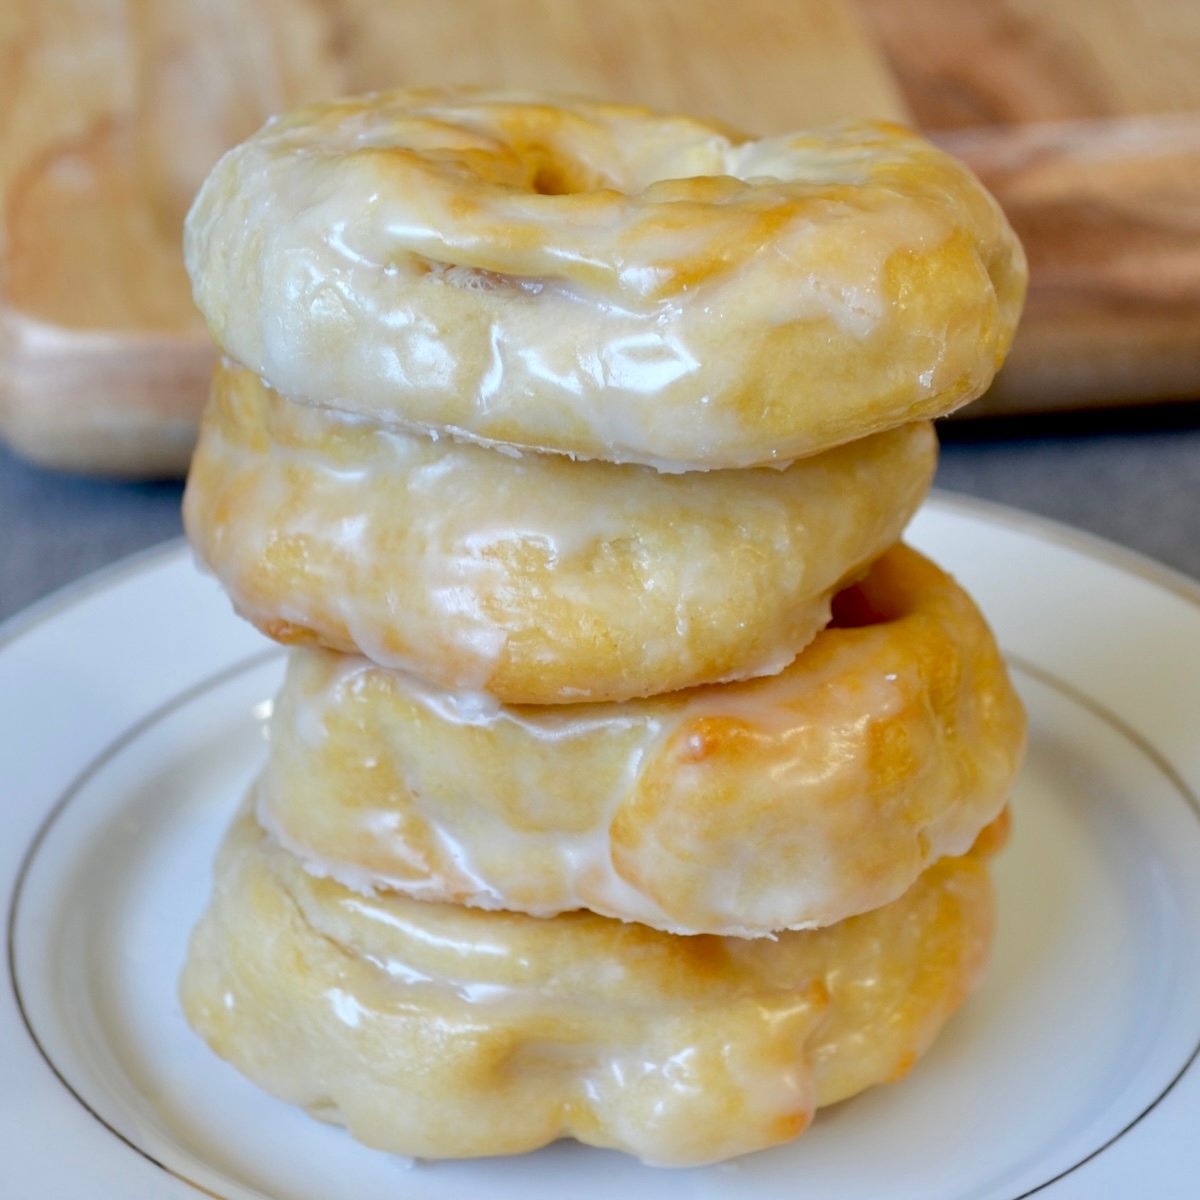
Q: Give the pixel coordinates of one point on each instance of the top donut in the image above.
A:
(601, 280)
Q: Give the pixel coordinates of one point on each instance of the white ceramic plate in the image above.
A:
(130, 722)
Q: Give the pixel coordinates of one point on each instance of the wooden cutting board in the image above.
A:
(972, 63)
(1083, 118)
(111, 111)
(767, 66)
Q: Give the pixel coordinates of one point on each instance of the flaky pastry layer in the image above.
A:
(603, 280)
(535, 579)
(740, 809)
(438, 1031)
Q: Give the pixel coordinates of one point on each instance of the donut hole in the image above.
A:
(552, 179)
(853, 608)
(894, 589)
(555, 174)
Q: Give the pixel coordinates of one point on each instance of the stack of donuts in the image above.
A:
(630, 781)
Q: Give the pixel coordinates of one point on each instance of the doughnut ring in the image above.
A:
(788, 802)
(438, 1031)
(601, 280)
(535, 579)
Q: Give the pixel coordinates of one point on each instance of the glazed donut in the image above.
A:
(603, 280)
(438, 1031)
(739, 809)
(535, 579)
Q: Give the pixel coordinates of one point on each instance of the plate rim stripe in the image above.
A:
(251, 662)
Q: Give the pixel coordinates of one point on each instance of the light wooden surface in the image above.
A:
(766, 67)
(1109, 213)
(1083, 117)
(112, 111)
(995, 62)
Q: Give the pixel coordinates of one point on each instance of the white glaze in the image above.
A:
(785, 802)
(394, 257)
(533, 578)
(430, 1029)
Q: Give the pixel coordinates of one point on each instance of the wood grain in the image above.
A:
(992, 62)
(111, 112)
(767, 67)
(1109, 213)
(1083, 117)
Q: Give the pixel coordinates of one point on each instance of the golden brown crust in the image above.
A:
(439, 1031)
(535, 579)
(604, 281)
(737, 808)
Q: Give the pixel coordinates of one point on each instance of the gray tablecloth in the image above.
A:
(1137, 486)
